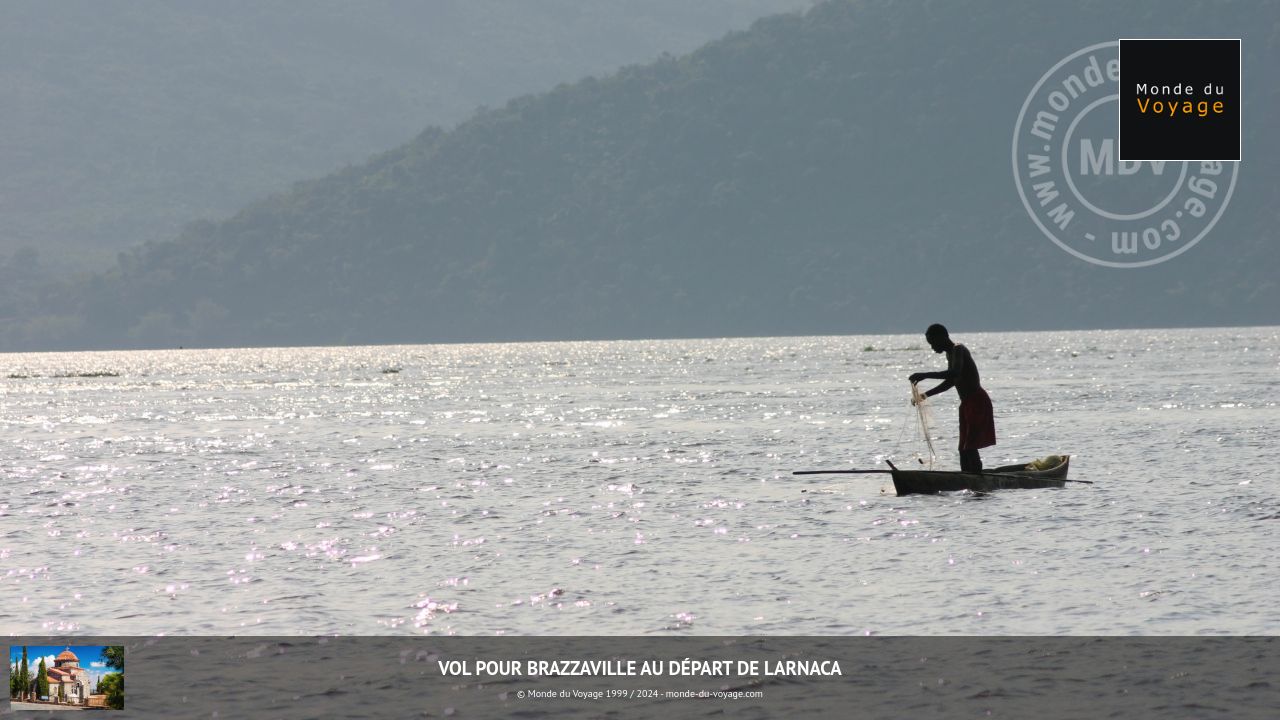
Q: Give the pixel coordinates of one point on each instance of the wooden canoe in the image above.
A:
(1008, 477)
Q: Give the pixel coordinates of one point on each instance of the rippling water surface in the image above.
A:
(635, 488)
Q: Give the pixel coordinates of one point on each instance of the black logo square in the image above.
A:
(1179, 100)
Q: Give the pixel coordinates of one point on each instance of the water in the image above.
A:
(636, 488)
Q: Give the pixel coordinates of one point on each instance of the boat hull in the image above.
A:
(1009, 477)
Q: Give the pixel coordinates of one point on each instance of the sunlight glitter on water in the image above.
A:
(311, 491)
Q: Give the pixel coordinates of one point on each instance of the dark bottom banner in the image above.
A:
(639, 677)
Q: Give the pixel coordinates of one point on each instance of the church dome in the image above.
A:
(67, 655)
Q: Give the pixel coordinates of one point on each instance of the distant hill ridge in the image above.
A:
(845, 170)
(125, 121)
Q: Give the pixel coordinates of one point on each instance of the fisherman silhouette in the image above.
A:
(977, 421)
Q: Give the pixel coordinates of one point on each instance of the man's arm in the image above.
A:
(944, 386)
(955, 362)
(917, 377)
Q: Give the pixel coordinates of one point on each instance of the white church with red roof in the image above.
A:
(67, 675)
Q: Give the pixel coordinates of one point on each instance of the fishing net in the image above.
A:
(924, 420)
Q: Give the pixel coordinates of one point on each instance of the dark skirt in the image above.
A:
(977, 421)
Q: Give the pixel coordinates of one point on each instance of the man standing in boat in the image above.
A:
(977, 421)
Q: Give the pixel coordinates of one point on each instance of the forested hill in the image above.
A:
(123, 121)
(846, 170)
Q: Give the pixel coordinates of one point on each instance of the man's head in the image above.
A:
(938, 338)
